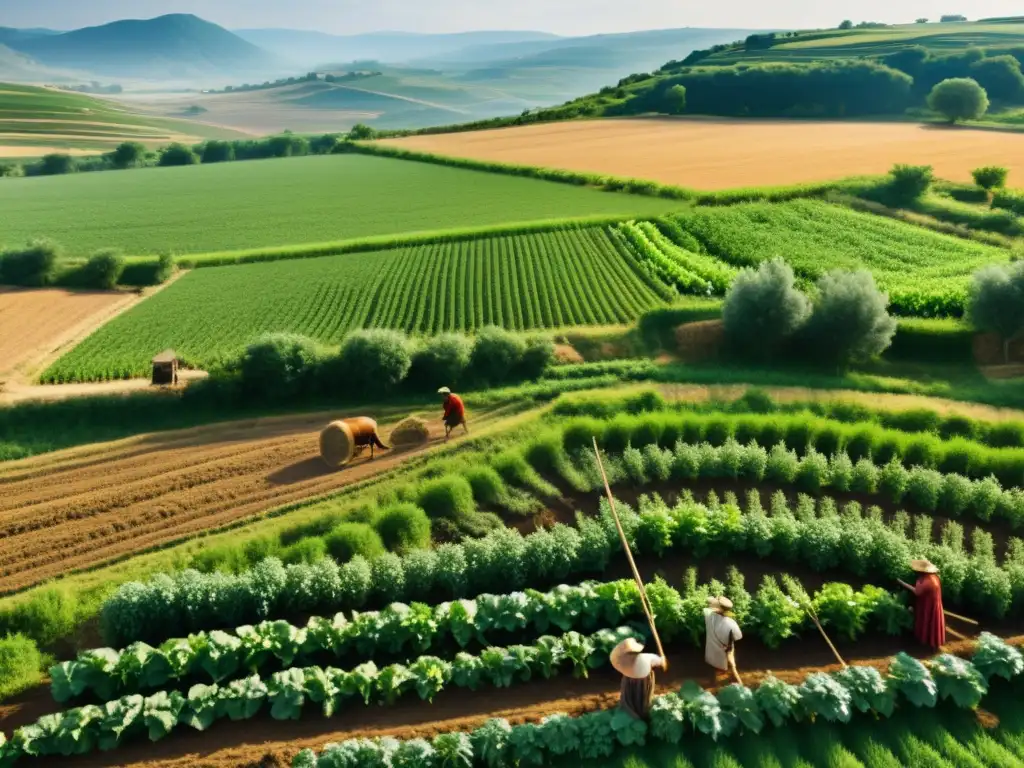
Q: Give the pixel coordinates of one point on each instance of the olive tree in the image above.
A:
(996, 302)
(763, 309)
(850, 321)
(959, 98)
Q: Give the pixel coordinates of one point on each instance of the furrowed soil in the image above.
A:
(264, 741)
(86, 506)
(35, 322)
(711, 154)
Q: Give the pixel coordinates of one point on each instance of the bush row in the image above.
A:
(771, 615)
(82, 730)
(800, 432)
(171, 604)
(40, 263)
(284, 367)
(679, 716)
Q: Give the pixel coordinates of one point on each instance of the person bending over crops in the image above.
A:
(637, 669)
(929, 619)
(454, 412)
(722, 634)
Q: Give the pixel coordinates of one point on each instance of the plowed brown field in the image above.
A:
(86, 506)
(710, 154)
(34, 322)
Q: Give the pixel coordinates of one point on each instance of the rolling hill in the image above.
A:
(167, 47)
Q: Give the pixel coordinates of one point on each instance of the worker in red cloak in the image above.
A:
(929, 620)
(454, 412)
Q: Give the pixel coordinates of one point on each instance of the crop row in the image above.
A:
(170, 604)
(772, 615)
(734, 710)
(546, 280)
(81, 730)
(925, 273)
(798, 432)
(689, 270)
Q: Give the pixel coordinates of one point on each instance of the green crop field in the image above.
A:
(278, 202)
(926, 273)
(548, 280)
(848, 44)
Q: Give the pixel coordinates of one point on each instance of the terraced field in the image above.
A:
(549, 280)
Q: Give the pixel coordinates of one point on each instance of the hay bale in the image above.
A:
(337, 444)
(410, 431)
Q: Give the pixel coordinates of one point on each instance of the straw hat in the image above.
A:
(444, 391)
(720, 603)
(623, 656)
(923, 566)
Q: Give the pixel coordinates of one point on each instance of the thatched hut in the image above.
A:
(165, 368)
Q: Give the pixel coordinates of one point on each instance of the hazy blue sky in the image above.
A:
(560, 16)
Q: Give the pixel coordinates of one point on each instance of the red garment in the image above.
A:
(453, 407)
(929, 621)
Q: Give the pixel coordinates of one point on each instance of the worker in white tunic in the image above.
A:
(723, 632)
(637, 691)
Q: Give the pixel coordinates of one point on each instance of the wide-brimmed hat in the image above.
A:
(444, 391)
(623, 655)
(923, 566)
(720, 603)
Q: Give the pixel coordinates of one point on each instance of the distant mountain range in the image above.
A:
(168, 47)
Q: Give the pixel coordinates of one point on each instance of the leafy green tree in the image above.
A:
(361, 132)
(215, 151)
(996, 302)
(128, 154)
(373, 361)
(990, 177)
(959, 98)
(847, 24)
(763, 309)
(34, 264)
(850, 321)
(104, 269)
(56, 164)
(909, 183)
(675, 100)
(440, 361)
(278, 366)
(177, 154)
(1000, 76)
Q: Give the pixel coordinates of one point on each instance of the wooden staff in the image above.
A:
(956, 634)
(644, 602)
(732, 667)
(814, 617)
(960, 618)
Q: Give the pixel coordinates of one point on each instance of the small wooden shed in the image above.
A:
(165, 368)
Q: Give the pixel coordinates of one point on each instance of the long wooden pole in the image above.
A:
(629, 555)
(960, 618)
(814, 618)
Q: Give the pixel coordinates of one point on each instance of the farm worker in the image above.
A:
(929, 619)
(454, 412)
(722, 634)
(637, 670)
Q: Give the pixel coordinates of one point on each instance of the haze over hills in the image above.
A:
(167, 47)
(307, 48)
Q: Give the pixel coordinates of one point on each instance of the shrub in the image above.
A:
(440, 361)
(361, 132)
(908, 183)
(996, 302)
(33, 265)
(310, 551)
(675, 100)
(215, 151)
(990, 177)
(959, 98)
(1009, 200)
(404, 527)
(449, 497)
(763, 309)
(850, 321)
(177, 154)
(57, 164)
(104, 269)
(374, 361)
(278, 366)
(496, 354)
(1000, 76)
(351, 539)
(537, 356)
(20, 663)
(128, 154)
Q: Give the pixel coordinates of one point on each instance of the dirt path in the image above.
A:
(86, 506)
(717, 153)
(230, 745)
(16, 393)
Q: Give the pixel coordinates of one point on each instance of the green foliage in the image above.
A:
(20, 664)
(350, 539)
(909, 183)
(373, 361)
(850, 322)
(990, 177)
(997, 301)
(104, 269)
(278, 366)
(177, 154)
(675, 100)
(128, 154)
(960, 98)
(33, 265)
(496, 352)
(440, 361)
(449, 497)
(404, 527)
(764, 309)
